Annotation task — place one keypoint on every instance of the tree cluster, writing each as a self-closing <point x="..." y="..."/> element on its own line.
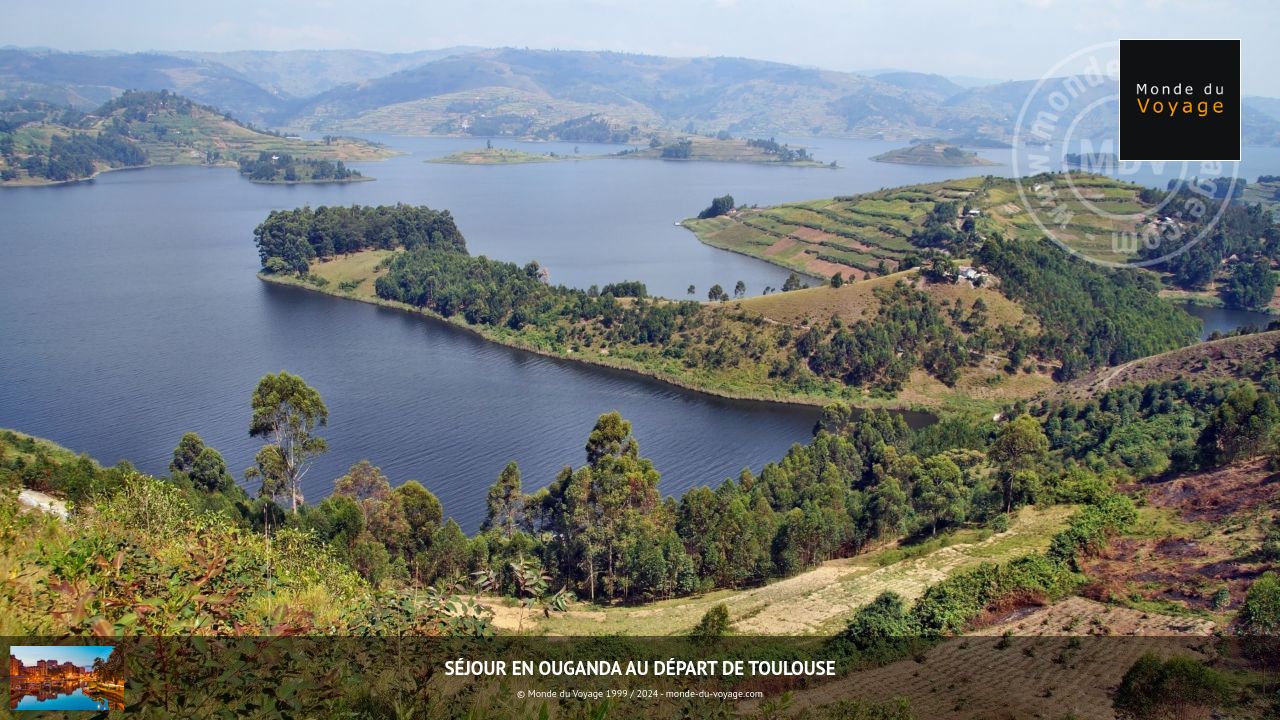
<point x="278" y="167"/>
<point x="289" y="239"/>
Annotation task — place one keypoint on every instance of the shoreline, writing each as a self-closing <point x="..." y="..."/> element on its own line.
<point x="72" y="181"/>
<point x="762" y="258"/>
<point x="362" y="178"/>
<point x="605" y="361"/>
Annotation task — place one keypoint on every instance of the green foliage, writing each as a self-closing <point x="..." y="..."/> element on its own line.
<point x="1089" y="316"/>
<point x="713" y="625"/>
<point x="1143" y="430"/>
<point x="678" y="150"/>
<point x="286" y="412"/>
<point x="1088" y="530"/>
<point x="1260" y="614"/>
<point x="1154" y="689"/>
<point x="950" y="605"/>
<point x="719" y="206"/>
<point x="909" y="331"/>
<point x="504" y="295"/>
<point x="1243" y="230"/>
<point x="1241" y="426"/>
<point x="1019" y="446"/>
<point x="783" y="152"/>
<point x="1251" y="285"/>
<point x="881" y="628"/>
<point x="27" y="462"/>
<point x="505" y="502"/>
<point x="282" y="167"/>
<point x="298" y="236"/>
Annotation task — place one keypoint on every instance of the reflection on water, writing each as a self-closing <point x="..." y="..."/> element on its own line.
<point x="54" y="695"/>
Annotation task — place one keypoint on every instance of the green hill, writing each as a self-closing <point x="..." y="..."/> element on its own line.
<point x="43" y="143"/>
<point x="855" y="234"/>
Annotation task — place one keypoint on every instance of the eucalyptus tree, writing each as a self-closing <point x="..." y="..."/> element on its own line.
<point x="286" y="412"/>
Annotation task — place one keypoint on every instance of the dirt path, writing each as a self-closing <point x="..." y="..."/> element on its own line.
<point x="815" y="602"/>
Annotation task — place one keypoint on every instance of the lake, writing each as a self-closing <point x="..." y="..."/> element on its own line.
<point x="130" y="313"/>
<point x="1224" y="320"/>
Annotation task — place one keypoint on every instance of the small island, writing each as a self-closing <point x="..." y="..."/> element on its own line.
<point x="723" y="148"/>
<point x="282" y="169"/>
<point x="1091" y="161"/>
<point x="930" y="153"/>
<point x="497" y="156"/>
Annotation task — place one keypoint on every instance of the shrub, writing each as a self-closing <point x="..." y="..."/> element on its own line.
<point x="714" y="624"/>
<point x="1173" y="688"/>
<point x="1090" y="528"/>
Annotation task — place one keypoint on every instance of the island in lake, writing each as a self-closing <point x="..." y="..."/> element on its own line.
<point x="1091" y="161"/>
<point x="285" y="169"/>
<point x="499" y="156"/>
<point x="718" y="148"/>
<point x="723" y="148"/>
<point x="930" y="153"/>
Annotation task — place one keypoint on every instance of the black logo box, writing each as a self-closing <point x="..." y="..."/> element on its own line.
<point x="1188" y="65"/>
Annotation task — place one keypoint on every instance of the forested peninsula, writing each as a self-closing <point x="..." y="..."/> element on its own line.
<point x="921" y="336"/>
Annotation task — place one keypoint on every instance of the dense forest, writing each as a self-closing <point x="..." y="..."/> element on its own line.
<point x="289" y="239"/>
<point x="1195" y="248"/>
<point x="1090" y="316"/>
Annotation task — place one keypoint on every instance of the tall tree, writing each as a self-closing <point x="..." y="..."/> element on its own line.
<point x="184" y="456"/>
<point x="940" y="491"/>
<point x="505" y="501"/>
<point x="209" y="471"/>
<point x="287" y="411"/>
<point x="1018" y="447"/>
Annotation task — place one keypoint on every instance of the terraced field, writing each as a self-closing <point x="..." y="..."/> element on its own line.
<point x="864" y="235"/>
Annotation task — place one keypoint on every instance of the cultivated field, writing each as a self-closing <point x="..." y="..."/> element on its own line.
<point x="866" y="234"/>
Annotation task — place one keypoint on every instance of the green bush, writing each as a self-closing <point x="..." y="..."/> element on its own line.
<point x="1155" y="689"/>
<point x="1090" y="528"/>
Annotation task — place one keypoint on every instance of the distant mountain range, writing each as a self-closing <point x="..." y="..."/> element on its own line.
<point x="530" y="93"/>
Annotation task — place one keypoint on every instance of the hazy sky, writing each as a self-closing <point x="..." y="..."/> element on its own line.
<point x="81" y="655"/>
<point x="998" y="39"/>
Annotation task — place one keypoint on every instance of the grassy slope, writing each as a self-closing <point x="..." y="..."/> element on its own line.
<point x="1223" y="358"/>
<point x="11" y="442"/>
<point x="817" y="601"/>
<point x="984" y="386"/>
